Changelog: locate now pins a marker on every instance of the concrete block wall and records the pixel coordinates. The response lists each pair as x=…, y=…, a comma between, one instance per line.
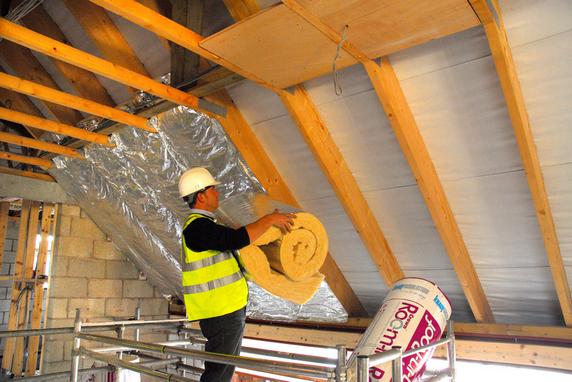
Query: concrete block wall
x=89, y=273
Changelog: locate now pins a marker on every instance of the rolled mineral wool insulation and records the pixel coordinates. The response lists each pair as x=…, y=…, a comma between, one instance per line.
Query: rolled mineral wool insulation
x=300, y=253
x=413, y=314
x=287, y=265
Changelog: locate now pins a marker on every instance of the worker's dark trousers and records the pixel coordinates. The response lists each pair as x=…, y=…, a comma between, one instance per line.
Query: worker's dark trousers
x=224, y=335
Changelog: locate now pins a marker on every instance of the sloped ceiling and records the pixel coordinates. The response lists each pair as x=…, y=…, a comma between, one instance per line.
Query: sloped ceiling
x=453, y=90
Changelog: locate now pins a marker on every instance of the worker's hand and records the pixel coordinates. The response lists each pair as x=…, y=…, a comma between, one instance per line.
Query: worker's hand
x=282, y=221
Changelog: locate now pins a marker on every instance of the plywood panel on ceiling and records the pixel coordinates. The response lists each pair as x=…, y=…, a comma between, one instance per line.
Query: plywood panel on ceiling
x=278, y=46
x=381, y=27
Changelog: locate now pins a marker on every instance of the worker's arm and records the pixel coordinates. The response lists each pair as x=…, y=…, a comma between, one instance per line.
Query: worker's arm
x=276, y=219
x=203, y=234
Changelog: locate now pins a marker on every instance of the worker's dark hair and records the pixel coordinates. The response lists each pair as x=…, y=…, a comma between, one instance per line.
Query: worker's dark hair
x=191, y=199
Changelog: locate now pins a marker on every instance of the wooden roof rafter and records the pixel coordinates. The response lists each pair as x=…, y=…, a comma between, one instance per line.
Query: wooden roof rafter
x=401, y=118
x=491, y=20
x=56, y=49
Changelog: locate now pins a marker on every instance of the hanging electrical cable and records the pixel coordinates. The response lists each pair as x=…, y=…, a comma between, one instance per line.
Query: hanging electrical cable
x=337, y=86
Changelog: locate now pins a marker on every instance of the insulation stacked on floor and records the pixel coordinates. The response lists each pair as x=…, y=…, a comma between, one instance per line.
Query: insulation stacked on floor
x=287, y=265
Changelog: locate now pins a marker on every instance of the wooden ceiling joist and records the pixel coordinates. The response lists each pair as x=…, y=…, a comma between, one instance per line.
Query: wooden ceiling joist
x=85, y=83
x=48, y=94
x=56, y=49
x=23, y=62
x=39, y=145
x=44, y=163
x=54, y=127
x=326, y=152
x=391, y=97
x=167, y=28
x=26, y=174
x=514, y=98
x=258, y=160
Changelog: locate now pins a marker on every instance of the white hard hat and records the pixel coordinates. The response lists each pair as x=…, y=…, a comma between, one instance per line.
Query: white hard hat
x=194, y=180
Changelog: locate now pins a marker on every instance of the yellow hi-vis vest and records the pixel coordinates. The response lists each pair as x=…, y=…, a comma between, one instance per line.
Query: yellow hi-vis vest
x=213, y=284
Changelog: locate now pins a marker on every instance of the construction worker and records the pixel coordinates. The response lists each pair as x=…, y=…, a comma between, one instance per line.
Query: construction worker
x=214, y=287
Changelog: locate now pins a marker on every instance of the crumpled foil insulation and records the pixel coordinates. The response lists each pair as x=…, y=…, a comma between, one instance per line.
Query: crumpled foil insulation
x=130, y=192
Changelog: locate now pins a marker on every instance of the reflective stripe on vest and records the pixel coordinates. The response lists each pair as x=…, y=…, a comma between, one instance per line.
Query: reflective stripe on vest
x=207, y=261
x=205, y=287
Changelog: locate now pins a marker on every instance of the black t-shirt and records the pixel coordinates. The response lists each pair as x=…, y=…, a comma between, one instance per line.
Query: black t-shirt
x=204, y=234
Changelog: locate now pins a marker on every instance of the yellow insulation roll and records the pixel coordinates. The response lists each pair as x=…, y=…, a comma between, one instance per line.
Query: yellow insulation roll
x=288, y=265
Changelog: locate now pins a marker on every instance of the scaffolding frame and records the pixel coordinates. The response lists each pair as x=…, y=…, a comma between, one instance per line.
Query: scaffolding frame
x=322, y=370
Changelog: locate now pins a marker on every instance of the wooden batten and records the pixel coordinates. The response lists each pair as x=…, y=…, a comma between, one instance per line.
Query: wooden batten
x=56, y=49
x=326, y=152
x=516, y=106
x=4, y=213
x=54, y=127
x=39, y=145
x=48, y=94
x=44, y=163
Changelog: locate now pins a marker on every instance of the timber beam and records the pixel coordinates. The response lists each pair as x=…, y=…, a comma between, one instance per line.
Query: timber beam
x=491, y=18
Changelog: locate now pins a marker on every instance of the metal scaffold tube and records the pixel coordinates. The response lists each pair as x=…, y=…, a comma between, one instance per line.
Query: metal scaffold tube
x=92, y=328
x=246, y=362
x=76, y=346
x=451, y=352
x=118, y=363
